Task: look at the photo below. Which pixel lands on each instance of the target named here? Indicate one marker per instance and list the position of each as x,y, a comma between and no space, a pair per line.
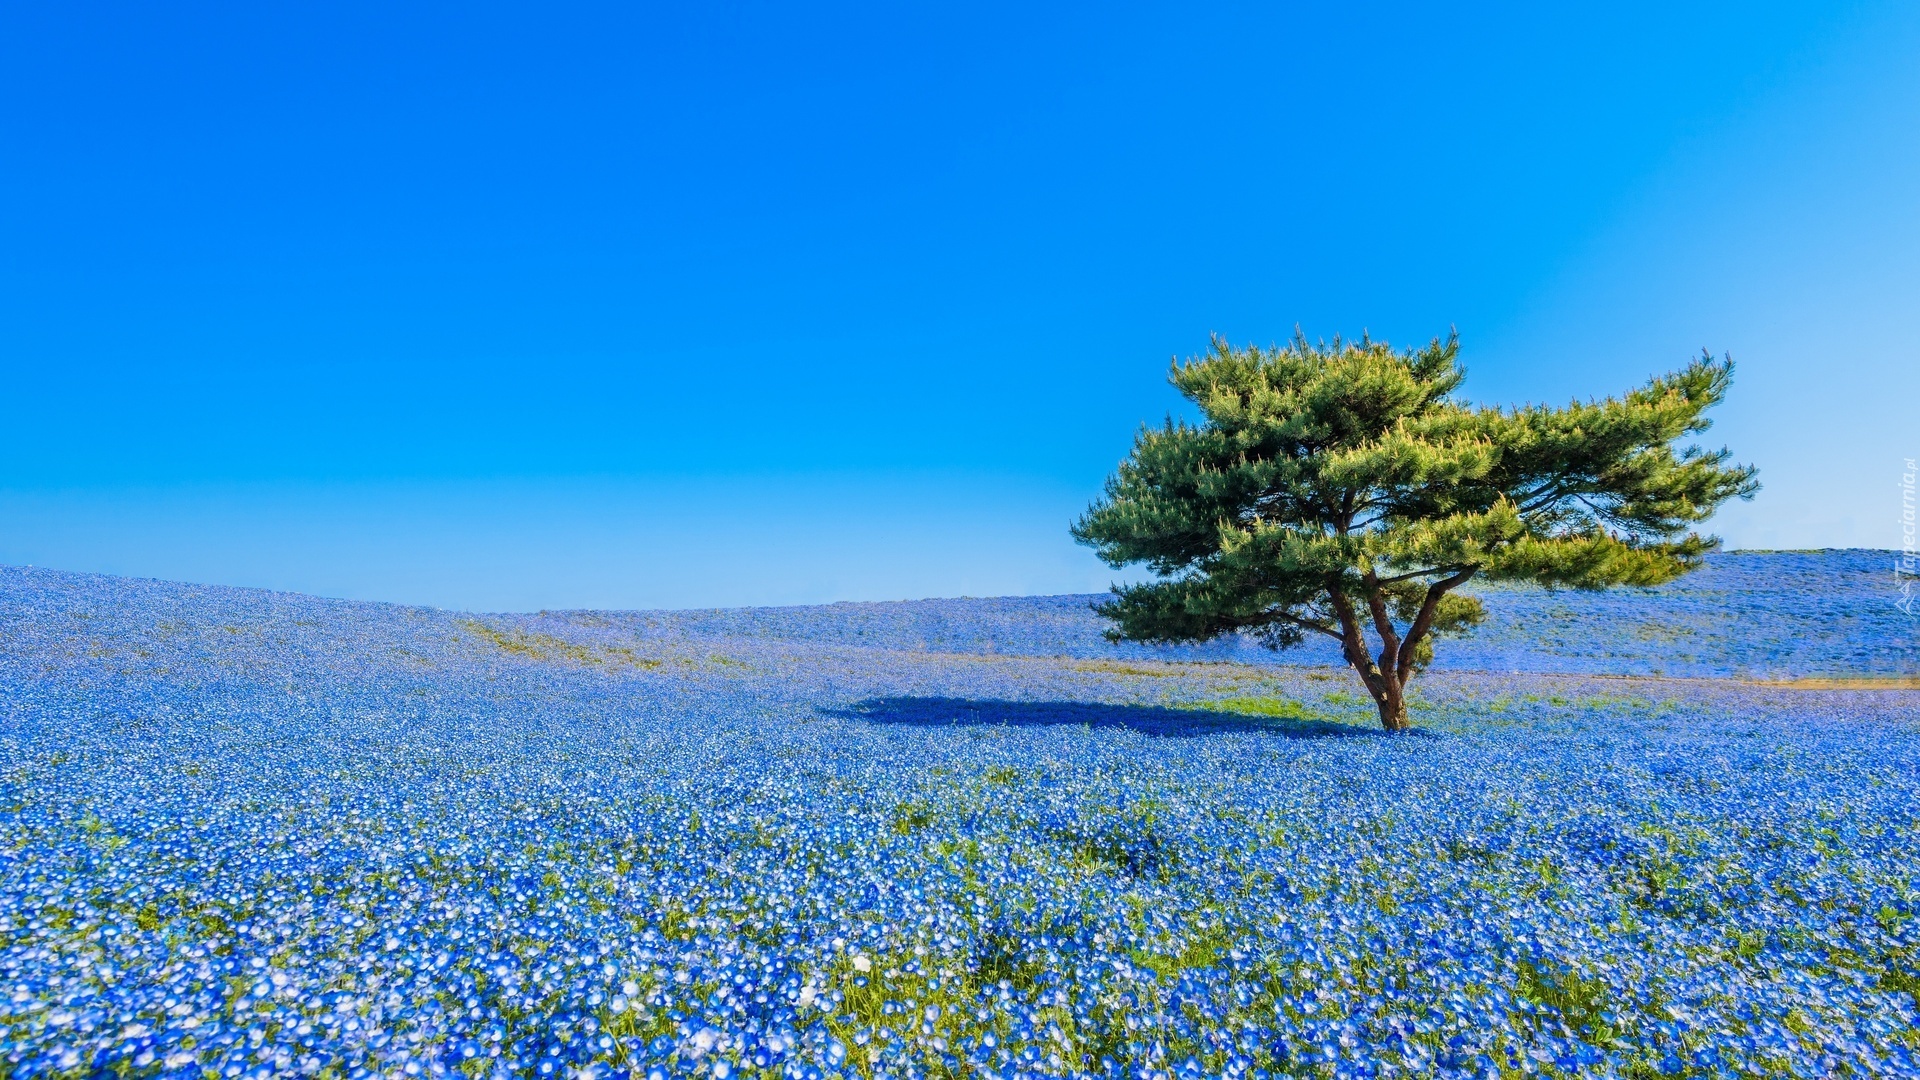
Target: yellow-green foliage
1277,707
532,645
1336,708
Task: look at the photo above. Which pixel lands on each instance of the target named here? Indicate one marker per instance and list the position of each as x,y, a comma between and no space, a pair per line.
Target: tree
1337,489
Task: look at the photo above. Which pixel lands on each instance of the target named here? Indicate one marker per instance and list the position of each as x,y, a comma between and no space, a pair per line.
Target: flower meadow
249,834
1765,615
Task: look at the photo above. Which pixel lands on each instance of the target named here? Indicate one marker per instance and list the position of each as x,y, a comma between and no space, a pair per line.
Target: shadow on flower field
1146,719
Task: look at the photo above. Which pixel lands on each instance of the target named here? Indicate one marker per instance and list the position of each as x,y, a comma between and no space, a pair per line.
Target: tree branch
1540,499
1309,624
1382,623
1353,639
1418,573
1423,622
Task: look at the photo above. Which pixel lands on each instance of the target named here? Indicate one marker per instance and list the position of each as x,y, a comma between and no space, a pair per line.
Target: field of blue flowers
251,834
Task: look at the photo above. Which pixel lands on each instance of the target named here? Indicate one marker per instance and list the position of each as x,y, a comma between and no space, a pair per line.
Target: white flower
862,964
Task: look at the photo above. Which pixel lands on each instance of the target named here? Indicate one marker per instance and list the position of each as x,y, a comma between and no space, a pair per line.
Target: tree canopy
1342,489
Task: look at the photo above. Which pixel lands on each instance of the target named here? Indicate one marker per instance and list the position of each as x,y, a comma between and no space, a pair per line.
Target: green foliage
1581,1002
911,817
547,648
1342,489
1281,708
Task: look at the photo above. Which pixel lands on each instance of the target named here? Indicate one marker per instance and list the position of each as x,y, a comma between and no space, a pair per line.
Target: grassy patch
1277,707
1338,708
1582,1002
1844,682
546,648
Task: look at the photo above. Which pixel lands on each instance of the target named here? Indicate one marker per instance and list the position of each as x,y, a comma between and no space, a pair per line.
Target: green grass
549,649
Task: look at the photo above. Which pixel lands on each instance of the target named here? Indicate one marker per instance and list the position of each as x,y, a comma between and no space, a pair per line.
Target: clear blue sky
629,305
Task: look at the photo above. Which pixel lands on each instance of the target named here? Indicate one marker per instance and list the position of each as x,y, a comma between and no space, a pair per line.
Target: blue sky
573,305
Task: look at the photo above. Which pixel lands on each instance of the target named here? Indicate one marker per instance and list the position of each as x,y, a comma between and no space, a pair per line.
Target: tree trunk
1393,712
1392,703
1383,684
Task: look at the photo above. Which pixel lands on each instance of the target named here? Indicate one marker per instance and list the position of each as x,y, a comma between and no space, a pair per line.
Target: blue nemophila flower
270,835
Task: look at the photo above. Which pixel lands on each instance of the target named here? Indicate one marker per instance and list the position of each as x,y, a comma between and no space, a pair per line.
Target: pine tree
1343,490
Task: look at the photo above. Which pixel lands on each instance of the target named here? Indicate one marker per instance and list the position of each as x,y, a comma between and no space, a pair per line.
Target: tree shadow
1147,719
